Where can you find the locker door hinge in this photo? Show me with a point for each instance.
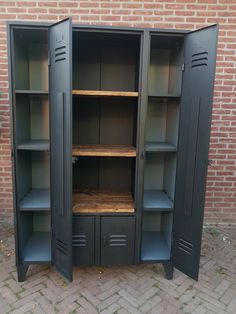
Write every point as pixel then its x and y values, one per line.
pixel 49 57
pixel 183 67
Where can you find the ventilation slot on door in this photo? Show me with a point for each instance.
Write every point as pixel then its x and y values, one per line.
pixel 199 59
pixel 118 240
pixel 60 53
pixel 185 246
pixel 62 247
pixel 79 240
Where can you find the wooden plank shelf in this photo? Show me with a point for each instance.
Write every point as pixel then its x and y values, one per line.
pixel 156 200
pixel 160 147
pixel 37 145
pixel 93 201
pixel 154 247
pixel 36 199
pixel 103 93
pixel 31 92
pixel 104 150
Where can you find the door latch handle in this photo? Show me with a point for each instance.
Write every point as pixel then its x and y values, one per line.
pixel 104 241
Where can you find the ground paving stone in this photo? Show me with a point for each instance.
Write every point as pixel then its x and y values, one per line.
pixel 120 290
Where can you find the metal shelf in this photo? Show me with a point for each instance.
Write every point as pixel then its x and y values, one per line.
pixel 38 145
pixel 160 147
pixel 156 200
pixel 36 199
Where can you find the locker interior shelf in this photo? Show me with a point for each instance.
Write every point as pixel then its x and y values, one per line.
pixel 31 92
pixel 156 200
pixel 160 147
pixel 167 96
pixel 104 150
pixel 93 201
pixel 104 93
pixel 38 145
pixel 36 199
pixel 38 248
pixel 154 247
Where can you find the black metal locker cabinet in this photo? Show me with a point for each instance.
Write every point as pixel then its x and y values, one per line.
pixel 60 87
pixel 194 131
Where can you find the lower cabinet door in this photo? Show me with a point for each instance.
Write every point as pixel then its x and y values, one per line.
pixel 117 240
pixel 83 241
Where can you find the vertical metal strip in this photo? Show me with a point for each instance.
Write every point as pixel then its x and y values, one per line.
pixel 60 104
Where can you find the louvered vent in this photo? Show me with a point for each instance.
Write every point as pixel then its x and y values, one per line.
pixel 118 240
pixel 60 53
pixel 62 247
pixel 199 59
pixel 185 246
pixel 79 240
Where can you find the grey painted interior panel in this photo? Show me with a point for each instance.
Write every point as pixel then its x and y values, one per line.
pixel 102 173
pixel 38 248
pixel 39 108
pixel 162 121
pixel 23 124
pixel 40 170
pixel 156 200
pixel 165 70
pixel 169 175
pixel 21 63
pixel 118 67
pixel 154 247
pixel 156 121
pixel 31 59
pixel 86 66
pixel 24 174
pixel 117 121
pixel 86 122
pixel 37 199
pixel 38 66
pixel 154 171
pixel 166 227
pixel 41 221
pixel 172 123
pixel 32 118
pixel 115 173
pixel 86 173
pixel 158 74
pixel 151 221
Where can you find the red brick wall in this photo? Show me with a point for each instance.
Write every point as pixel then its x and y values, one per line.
pixel 220 203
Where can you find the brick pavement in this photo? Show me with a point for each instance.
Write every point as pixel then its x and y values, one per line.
pixel 136 289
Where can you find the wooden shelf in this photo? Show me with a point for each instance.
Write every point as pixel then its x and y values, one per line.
pixel 154 247
pixel 104 150
pixel 36 199
pixel 38 248
pixel 92 201
pixel 160 147
pixel 156 200
pixel 38 145
pixel 103 93
pixel 31 92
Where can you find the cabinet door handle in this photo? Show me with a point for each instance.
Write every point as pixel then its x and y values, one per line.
pixel 104 241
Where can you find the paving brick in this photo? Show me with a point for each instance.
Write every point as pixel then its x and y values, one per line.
pixel 138 289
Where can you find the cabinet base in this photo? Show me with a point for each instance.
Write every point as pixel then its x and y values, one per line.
pixel 169 270
pixel 22 272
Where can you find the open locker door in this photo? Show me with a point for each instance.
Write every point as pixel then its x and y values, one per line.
pixel 192 158
pixel 60 86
